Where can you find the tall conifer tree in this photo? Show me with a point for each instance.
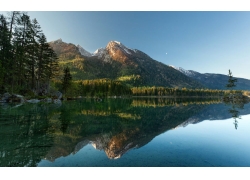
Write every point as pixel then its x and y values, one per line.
pixel 231 81
pixel 67 78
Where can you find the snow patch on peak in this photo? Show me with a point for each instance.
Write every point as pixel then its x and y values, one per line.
pixel 184 71
pixel 120 45
pixel 126 50
pixel 187 122
pixel 117 42
pixel 99 52
pixel 135 50
pixel 83 51
pixel 111 48
pixel 102 53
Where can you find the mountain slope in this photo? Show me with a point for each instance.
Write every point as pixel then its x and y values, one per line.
pixel 83 51
pixel 65 51
pixel 214 81
pixel 118 62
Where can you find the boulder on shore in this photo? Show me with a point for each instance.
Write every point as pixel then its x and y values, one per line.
pixel 48 100
pixel 19 98
pixel 7 97
pixel 2 101
pixel 33 101
pixel 57 101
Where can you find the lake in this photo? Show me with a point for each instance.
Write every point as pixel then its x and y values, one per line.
pixel 136 132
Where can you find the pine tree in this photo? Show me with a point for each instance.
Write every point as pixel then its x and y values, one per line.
pixel 35 33
pixel 47 66
pixel 3 47
pixel 11 74
pixel 22 54
pixel 67 79
pixel 231 80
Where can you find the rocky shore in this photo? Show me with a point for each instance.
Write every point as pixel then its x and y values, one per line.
pixel 16 98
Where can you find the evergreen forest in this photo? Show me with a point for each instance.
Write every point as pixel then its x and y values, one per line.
pixel 27 62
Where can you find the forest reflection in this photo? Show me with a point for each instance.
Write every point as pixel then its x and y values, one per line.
pixel 32 132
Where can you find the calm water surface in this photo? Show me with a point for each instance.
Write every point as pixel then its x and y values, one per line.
pixel 125 133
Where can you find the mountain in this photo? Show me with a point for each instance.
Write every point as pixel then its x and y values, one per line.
pixel 118 62
pixel 65 51
pixel 214 81
pixel 83 51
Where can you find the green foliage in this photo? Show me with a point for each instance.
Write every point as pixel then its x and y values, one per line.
pixel 67 80
pixel 132 80
pixel 1 74
pixel 231 81
pixel 4 49
pixel 27 60
pixel 234 96
pixel 95 88
pixel 103 88
pixel 165 91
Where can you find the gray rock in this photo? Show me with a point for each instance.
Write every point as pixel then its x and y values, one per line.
pixel 2 101
pixel 20 97
pixel 48 100
pixel 57 101
pixel 6 96
pixel 33 101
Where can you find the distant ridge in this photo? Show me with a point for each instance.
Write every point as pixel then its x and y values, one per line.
pixel 214 81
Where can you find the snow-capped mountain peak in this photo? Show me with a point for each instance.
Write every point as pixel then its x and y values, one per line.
pixel 99 52
pixel 111 50
pixel 117 44
pixel 83 51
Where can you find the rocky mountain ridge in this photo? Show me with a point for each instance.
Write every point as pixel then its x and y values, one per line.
pixel 118 62
pixel 83 51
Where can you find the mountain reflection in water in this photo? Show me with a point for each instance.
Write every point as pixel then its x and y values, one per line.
pixel 33 132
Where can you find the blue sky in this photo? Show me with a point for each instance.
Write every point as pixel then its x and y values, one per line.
pixel 207 42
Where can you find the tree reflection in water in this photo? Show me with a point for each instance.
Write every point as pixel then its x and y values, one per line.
pixel 234 111
pixel 34 132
